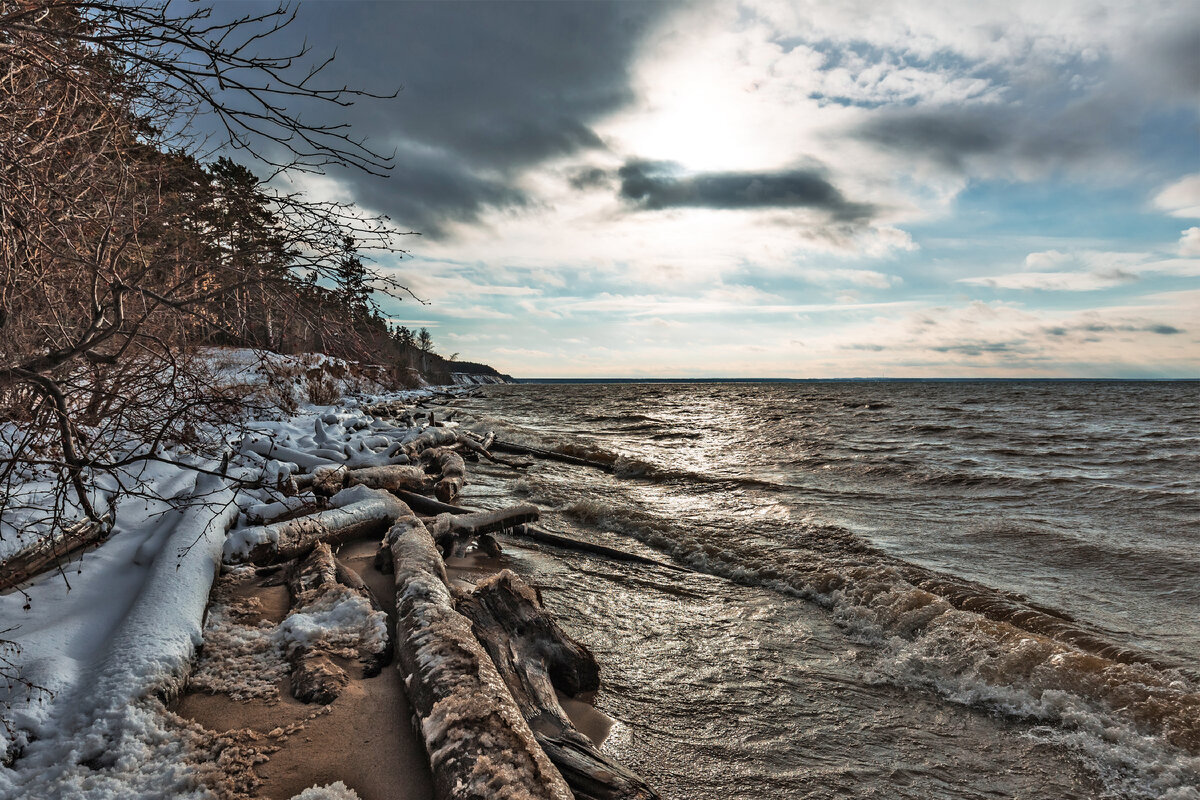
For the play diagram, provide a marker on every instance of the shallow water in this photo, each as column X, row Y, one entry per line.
column 893, row 581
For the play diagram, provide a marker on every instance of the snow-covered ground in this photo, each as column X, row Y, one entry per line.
column 109, row 639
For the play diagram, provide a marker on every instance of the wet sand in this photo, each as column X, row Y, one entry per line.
column 364, row 738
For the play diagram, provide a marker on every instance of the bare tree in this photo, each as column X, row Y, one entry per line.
column 120, row 248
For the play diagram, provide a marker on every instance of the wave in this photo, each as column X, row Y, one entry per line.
column 1136, row 713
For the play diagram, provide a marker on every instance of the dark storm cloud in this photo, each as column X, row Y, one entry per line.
column 952, row 136
column 652, row 186
column 426, row 191
column 488, row 89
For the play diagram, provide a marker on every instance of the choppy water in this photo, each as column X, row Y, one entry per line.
column 926, row 590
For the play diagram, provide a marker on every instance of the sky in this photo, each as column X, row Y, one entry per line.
column 785, row 189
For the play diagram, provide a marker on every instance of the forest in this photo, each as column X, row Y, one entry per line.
column 142, row 223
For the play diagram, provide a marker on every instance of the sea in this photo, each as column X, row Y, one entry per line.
column 876, row 589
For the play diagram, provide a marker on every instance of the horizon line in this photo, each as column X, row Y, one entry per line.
column 879, row 379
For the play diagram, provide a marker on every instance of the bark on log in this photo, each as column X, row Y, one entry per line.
column 45, row 554
column 452, row 469
column 479, row 745
column 362, row 512
column 535, row 656
column 509, row 447
column 427, row 505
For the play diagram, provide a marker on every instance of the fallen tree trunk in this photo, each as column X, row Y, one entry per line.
column 492, row 521
column 315, row 677
column 539, row 535
column 427, row 505
column 45, row 554
column 430, row 437
column 479, row 745
column 535, row 656
column 390, row 478
column 481, row 448
column 360, row 512
column 552, row 455
column 452, row 469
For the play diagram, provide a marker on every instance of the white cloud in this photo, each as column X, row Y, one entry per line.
column 1048, row 281
column 1181, row 198
column 1189, row 242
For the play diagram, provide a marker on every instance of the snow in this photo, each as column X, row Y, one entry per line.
column 111, row 639
column 334, row 791
column 339, row 620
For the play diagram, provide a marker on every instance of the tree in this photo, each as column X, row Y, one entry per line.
column 119, row 248
column 425, row 341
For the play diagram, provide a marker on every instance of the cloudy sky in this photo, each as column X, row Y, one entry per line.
column 787, row 188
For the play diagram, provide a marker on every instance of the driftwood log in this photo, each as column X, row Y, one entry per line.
column 566, row 542
column 47, row 553
column 391, row 478
column 479, row 745
column 315, row 677
column 427, row 505
column 450, row 467
column 358, row 512
column 535, row 656
column 521, row 449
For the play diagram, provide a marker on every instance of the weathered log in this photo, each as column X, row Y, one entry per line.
column 535, row 656
column 430, row 437
column 480, row 449
column 314, row 677
column 450, row 467
column 266, row 513
column 358, row 512
column 391, row 478
column 48, row 552
column 558, row 540
column 551, row 455
column 427, row 505
column 491, row 521
column 479, row 744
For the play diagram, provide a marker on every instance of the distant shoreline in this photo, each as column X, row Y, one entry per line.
column 855, row 380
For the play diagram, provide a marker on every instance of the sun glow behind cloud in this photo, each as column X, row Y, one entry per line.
column 800, row 189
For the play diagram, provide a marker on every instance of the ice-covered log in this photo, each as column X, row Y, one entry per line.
column 535, row 656
column 492, row 521
column 479, row 745
column 264, row 513
column 314, row 677
column 392, row 478
column 46, row 553
column 358, row 512
column 430, row 437
column 306, row 460
column 320, row 579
